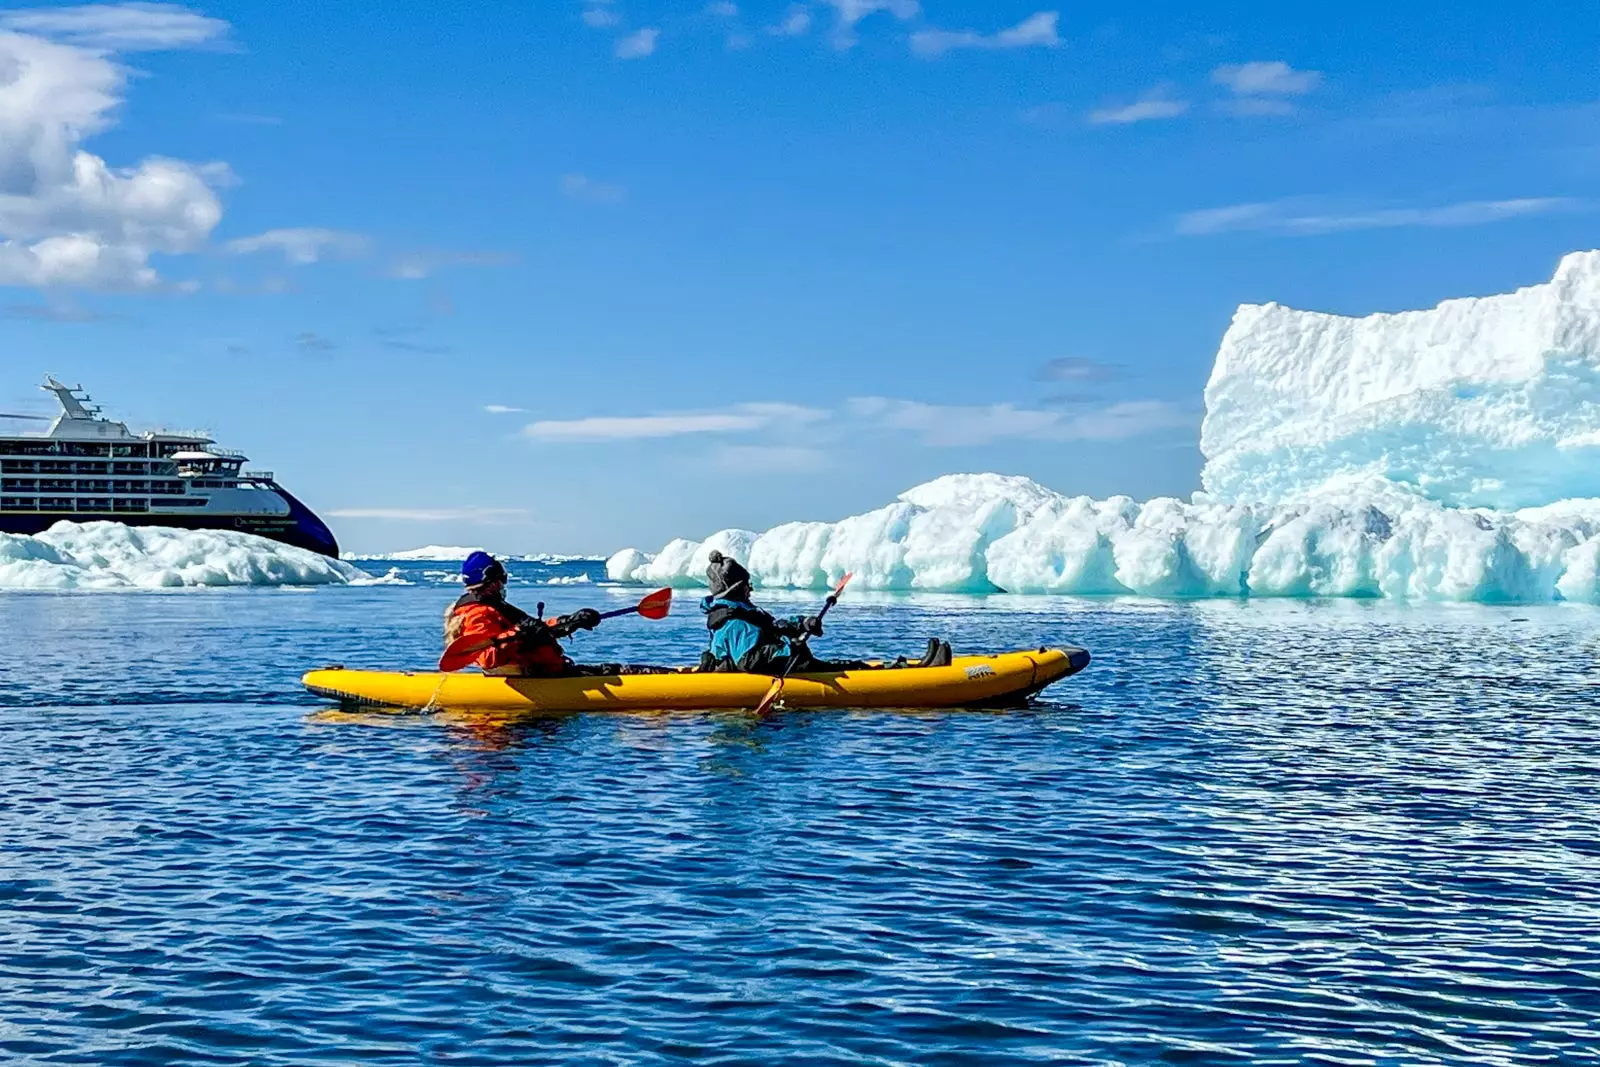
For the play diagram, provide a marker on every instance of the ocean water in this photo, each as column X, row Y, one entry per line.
column 1263, row 832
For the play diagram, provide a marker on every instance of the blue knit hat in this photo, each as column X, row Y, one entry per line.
column 481, row 567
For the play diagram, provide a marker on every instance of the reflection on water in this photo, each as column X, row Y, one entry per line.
column 1344, row 833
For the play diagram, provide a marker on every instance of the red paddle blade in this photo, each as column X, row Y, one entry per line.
column 656, row 605
column 842, row 583
column 463, row 650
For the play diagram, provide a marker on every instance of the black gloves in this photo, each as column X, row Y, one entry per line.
column 811, row 624
column 582, row 619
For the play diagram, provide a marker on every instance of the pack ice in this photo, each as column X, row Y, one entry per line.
column 110, row 555
column 1448, row 454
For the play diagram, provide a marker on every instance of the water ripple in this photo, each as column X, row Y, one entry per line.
column 1249, row 833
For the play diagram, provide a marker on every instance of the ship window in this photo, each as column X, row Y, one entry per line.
column 182, row 502
column 90, row 504
column 77, row 448
column 55, row 503
column 18, row 503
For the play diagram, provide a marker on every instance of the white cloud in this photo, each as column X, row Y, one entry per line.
column 118, row 27
column 1156, row 104
column 723, row 9
column 303, row 244
column 955, row 425
column 600, row 14
column 1264, row 87
column 465, row 514
column 415, row 266
column 851, row 12
column 1037, row 30
column 744, row 418
column 584, row 188
column 1266, row 78
column 796, row 22
column 1302, row 217
column 638, row 44
column 501, row 409
column 67, row 217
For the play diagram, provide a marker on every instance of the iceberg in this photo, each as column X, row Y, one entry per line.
column 1491, row 401
column 1450, row 454
column 110, row 555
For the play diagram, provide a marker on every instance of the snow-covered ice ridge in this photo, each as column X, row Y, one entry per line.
column 980, row 533
column 109, row 555
column 1491, row 401
column 1451, row 454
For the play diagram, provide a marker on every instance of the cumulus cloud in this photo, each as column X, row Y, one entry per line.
column 1156, row 104
column 67, row 217
column 1037, row 30
column 303, row 244
column 119, row 27
column 1305, row 218
column 639, row 44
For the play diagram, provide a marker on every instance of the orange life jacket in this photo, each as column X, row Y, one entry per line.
column 534, row 651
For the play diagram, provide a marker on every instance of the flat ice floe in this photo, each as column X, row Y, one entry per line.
column 110, row 555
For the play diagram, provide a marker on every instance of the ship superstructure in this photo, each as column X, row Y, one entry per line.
column 87, row 468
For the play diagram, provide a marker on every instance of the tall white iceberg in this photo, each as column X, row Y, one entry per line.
column 1489, row 401
column 1451, row 454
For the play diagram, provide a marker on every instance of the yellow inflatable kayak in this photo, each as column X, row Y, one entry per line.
column 1004, row 680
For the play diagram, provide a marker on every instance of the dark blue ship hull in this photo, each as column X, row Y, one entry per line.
column 300, row 528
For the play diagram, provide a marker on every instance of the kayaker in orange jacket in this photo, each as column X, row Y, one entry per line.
column 522, row 644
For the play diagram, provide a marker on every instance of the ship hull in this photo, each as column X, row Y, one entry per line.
column 300, row 528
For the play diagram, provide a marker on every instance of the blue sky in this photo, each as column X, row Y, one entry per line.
column 575, row 275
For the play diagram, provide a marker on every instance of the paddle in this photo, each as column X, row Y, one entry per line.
column 464, row 650
column 776, row 689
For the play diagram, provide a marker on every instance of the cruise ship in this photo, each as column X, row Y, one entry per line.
column 88, row 468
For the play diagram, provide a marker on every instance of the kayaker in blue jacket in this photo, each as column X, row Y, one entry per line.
column 746, row 639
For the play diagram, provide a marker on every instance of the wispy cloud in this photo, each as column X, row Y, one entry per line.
column 849, row 13
column 958, row 425
column 303, row 245
column 584, row 188
column 63, row 310
column 1266, row 78
column 744, row 418
column 132, row 27
column 416, row 266
column 722, row 9
column 1037, row 30
column 492, row 516
column 407, row 339
column 638, row 44
column 600, row 14
column 1080, row 370
column 1157, row 103
column 501, row 409
column 310, row 341
column 796, row 22
column 1301, row 217
column 1264, row 87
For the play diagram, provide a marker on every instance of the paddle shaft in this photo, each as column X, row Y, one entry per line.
column 803, row 641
